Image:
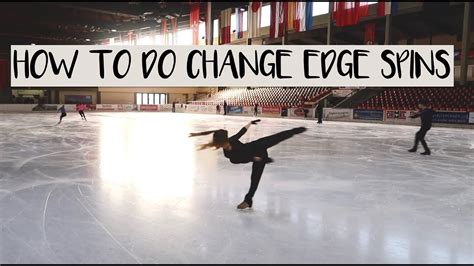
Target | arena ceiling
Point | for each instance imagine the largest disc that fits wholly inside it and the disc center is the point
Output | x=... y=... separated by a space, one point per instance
x=86 y=22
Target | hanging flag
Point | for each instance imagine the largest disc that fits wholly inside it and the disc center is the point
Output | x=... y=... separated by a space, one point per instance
x=164 y=31
x=239 y=19
x=297 y=17
x=278 y=19
x=386 y=8
x=291 y=15
x=369 y=33
x=224 y=23
x=253 y=19
x=194 y=22
x=208 y=23
x=308 y=18
x=274 y=19
x=174 y=31
x=349 y=13
x=283 y=18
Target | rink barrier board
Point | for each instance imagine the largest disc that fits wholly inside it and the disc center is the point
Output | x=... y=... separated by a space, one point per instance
x=330 y=114
x=336 y=114
x=364 y=114
x=299 y=112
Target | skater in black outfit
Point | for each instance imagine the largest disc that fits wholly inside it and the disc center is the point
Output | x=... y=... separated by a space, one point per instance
x=426 y=115
x=319 y=112
x=254 y=152
x=225 y=108
x=63 y=114
x=255 y=109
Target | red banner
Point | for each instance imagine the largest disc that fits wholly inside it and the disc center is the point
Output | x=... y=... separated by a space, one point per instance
x=148 y=107
x=271 y=110
x=297 y=112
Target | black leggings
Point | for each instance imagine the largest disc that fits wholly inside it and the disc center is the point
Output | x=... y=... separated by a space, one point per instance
x=420 y=137
x=61 y=117
x=82 y=114
x=261 y=146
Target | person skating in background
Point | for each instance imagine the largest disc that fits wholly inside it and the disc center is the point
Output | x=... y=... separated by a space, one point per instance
x=225 y=107
x=426 y=115
x=80 y=108
x=218 y=109
x=62 y=109
x=319 y=112
x=254 y=152
x=173 y=107
x=255 y=109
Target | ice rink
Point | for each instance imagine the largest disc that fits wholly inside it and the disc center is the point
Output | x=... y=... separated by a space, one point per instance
x=132 y=188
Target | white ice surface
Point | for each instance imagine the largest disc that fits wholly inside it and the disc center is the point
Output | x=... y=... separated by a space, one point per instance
x=131 y=188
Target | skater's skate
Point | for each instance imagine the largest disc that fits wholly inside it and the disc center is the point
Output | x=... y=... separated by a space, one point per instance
x=428 y=152
x=244 y=205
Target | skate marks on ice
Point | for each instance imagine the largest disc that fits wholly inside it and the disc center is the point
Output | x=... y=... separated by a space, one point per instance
x=131 y=187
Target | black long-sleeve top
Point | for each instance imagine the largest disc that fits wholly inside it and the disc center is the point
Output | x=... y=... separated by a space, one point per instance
x=239 y=153
x=62 y=110
x=426 y=116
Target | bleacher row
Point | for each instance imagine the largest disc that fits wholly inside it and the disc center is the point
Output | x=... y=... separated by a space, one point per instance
x=445 y=99
x=266 y=96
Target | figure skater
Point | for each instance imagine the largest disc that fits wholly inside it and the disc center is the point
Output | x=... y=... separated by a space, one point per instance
x=254 y=152
x=426 y=115
x=62 y=109
x=80 y=108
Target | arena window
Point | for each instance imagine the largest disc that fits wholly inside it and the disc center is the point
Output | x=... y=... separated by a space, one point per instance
x=151 y=98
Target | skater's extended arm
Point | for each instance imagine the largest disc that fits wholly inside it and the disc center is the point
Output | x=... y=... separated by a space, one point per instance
x=241 y=132
x=421 y=113
x=416 y=115
x=244 y=129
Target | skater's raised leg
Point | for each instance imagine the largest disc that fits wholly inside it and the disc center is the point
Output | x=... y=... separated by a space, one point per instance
x=270 y=141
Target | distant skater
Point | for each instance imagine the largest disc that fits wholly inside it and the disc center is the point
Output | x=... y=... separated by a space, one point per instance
x=255 y=109
x=225 y=107
x=218 y=109
x=426 y=115
x=319 y=112
x=62 y=109
x=254 y=152
x=80 y=108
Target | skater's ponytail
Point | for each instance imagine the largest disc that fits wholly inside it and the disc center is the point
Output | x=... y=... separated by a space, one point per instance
x=219 y=138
